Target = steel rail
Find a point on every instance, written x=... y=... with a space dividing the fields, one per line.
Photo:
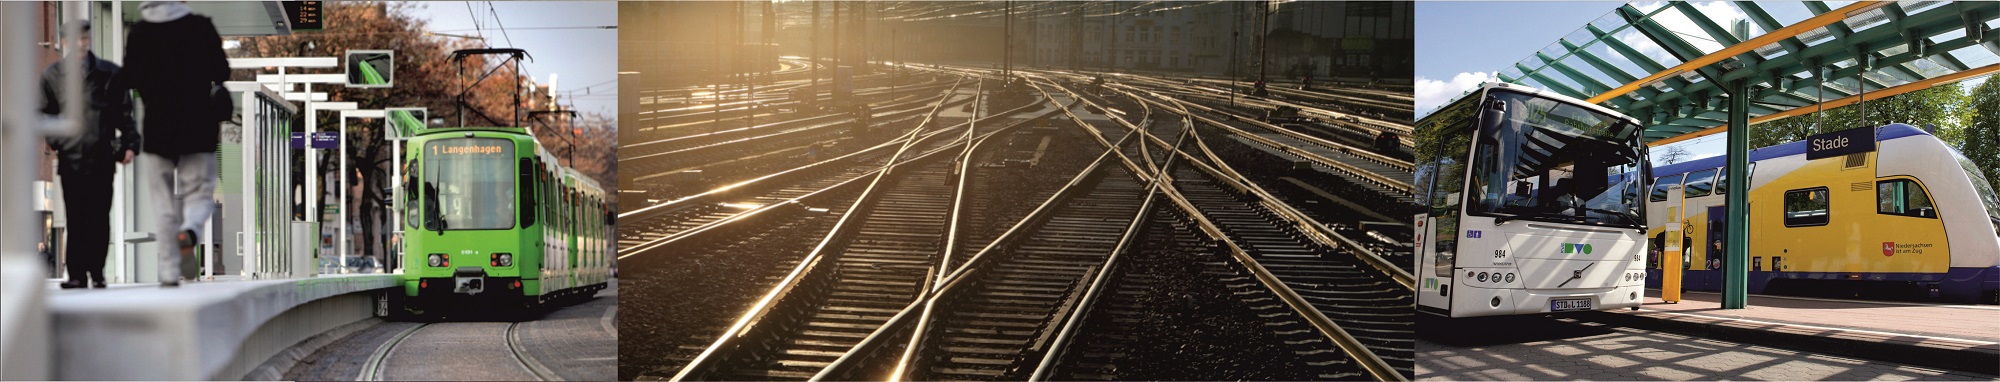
x=520 y=352
x=1319 y=230
x=1399 y=185
x=906 y=109
x=1066 y=331
x=697 y=199
x=1379 y=158
x=372 y=370
x=693 y=200
x=955 y=280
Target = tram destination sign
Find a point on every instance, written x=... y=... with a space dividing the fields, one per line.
x=1838 y=143
x=305 y=15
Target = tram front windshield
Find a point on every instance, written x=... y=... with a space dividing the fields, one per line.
x=472 y=181
x=1545 y=160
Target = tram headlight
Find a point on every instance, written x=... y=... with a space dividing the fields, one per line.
x=437 y=260
x=503 y=259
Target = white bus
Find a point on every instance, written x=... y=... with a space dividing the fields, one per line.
x=1531 y=202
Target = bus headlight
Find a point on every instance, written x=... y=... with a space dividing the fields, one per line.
x=503 y=259
x=437 y=260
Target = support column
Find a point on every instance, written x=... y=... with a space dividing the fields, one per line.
x=1735 y=263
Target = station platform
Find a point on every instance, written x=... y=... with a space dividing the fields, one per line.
x=1955 y=337
x=200 y=330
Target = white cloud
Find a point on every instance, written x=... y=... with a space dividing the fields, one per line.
x=1434 y=93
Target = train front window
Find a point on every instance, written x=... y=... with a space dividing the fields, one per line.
x=1980 y=187
x=473 y=183
x=1545 y=160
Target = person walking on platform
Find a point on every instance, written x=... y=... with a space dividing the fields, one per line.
x=174 y=59
x=84 y=160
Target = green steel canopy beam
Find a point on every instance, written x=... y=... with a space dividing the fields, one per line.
x=1822 y=19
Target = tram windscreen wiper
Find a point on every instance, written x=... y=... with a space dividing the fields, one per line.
x=433 y=217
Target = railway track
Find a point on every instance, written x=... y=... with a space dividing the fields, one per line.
x=1362 y=297
x=869 y=273
x=471 y=343
x=1020 y=159
x=995 y=318
x=890 y=292
x=1183 y=309
x=651 y=226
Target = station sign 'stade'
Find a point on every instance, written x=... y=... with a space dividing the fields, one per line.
x=1838 y=143
x=306 y=15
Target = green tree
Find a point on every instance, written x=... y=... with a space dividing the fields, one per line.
x=1942 y=106
x=1981 y=137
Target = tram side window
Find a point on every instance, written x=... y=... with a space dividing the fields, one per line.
x=410 y=192
x=1903 y=197
x=1699 y=183
x=1661 y=185
x=1806 y=207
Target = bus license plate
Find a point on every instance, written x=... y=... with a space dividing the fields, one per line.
x=1566 y=304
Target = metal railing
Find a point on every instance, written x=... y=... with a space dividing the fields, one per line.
x=265 y=242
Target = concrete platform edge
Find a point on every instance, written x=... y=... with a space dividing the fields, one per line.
x=201 y=331
x=1975 y=360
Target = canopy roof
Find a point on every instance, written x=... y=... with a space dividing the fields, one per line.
x=1661 y=62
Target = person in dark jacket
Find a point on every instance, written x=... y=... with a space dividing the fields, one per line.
x=85 y=160
x=174 y=58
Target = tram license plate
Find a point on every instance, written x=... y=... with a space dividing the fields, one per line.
x=1566 y=304
x=471 y=285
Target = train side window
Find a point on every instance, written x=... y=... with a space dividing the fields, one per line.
x=1661 y=185
x=1722 y=179
x=1903 y=197
x=1699 y=183
x=1806 y=207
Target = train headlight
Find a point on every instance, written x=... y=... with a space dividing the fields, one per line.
x=437 y=260
x=503 y=259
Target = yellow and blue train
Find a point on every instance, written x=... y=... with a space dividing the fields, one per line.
x=1867 y=208
x=493 y=220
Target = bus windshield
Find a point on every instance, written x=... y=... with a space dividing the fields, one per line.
x=1551 y=161
x=472 y=182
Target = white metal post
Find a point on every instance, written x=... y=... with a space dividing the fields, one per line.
x=341 y=181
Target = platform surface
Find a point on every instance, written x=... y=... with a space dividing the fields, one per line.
x=1577 y=347
x=144 y=332
x=1913 y=321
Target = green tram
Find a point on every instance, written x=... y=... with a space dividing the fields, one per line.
x=492 y=220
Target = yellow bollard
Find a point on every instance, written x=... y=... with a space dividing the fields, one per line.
x=1670 y=275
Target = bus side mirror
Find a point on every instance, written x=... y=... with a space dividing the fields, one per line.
x=1489 y=118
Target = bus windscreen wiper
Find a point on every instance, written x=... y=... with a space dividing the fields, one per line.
x=1569 y=218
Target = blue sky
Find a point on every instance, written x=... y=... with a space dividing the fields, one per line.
x=580 y=57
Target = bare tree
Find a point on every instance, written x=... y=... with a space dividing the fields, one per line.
x=1674 y=154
